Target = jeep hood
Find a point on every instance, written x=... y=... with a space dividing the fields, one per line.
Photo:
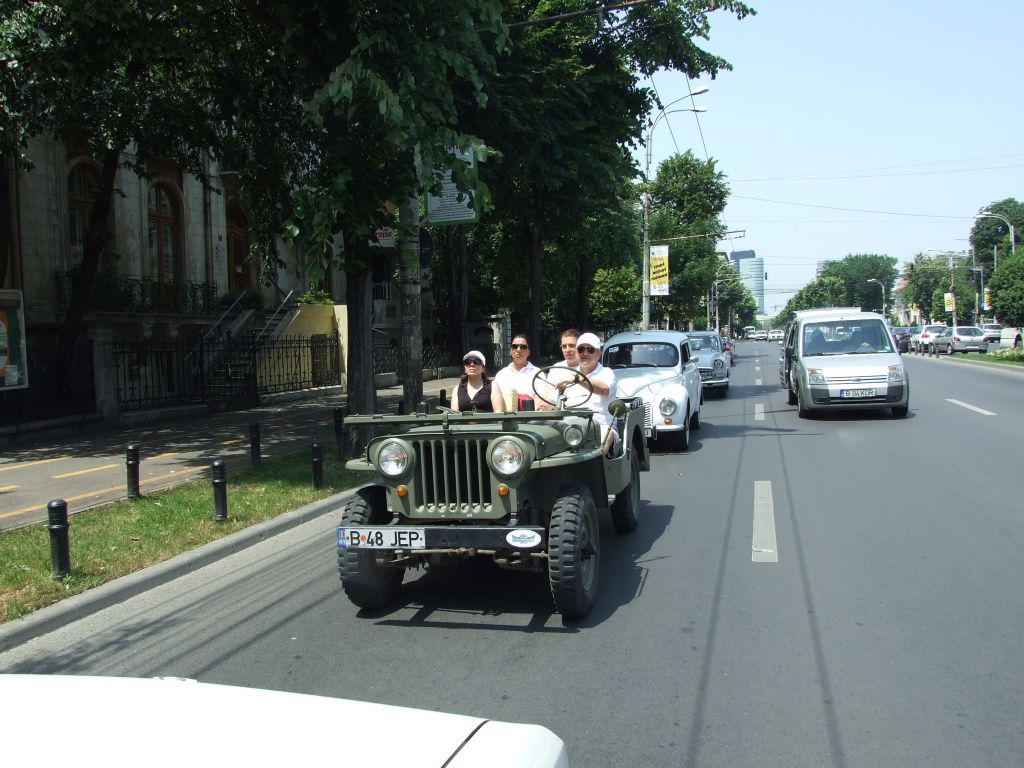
x=630 y=383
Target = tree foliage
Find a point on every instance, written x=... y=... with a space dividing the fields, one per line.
x=1007 y=290
x=989 y=233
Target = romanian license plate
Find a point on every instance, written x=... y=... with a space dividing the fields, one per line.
x=385 y=537
x=845 y=393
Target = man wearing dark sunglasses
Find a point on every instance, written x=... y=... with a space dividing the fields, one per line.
x=601 y=380
x=516 y=378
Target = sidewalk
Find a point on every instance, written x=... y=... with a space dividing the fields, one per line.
x=86 y=464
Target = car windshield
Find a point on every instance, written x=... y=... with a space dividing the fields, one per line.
x=705 y=342
x=642 y=355
x=843 y=337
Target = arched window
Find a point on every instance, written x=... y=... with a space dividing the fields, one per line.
x=83 y=186
x=165 y=234
x=239 y=267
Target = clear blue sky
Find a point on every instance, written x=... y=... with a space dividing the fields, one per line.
x=871 y=126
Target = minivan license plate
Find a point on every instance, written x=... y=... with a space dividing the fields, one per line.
x=856 y=393
x=387 y=537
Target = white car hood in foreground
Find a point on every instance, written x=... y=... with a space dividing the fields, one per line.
x=630 y=382
x=111 y=721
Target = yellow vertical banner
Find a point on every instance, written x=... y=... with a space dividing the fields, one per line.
x=659 y=270
x=947 y=299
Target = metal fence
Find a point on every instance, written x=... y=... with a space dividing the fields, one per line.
x=389 y=359
x=229 y=373
x=54 y=389
x=114 y=292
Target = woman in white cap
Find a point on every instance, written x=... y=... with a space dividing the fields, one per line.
x=476 y=392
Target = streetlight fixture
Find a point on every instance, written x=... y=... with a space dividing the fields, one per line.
x=1006 y=221
x=881 y=285
x=665 y=112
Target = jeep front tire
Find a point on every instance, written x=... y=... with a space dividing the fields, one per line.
x=366 y=583
x=574 y=552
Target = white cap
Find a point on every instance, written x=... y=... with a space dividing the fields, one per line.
x=478 y=355
x=589 y=339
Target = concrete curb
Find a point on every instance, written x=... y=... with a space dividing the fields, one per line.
x=18 y=631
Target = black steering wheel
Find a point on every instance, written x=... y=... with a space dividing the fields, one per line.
x=566 y=377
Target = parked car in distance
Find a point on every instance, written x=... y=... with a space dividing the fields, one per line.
x=1011 y=337
x=902 y=335
x=992 y=332
x=711 y=359
x=775 y=334
x=659 y=367
x=921 y=342
x=959 y=338
x=760 y=336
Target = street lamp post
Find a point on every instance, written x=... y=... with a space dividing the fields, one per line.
x=881 y=285
x=1006 y=221
x=665 y=111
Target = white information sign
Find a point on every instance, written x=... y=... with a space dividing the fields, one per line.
x=451 y=206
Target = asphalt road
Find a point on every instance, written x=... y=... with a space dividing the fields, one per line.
x=843 y=591
x=88 y=469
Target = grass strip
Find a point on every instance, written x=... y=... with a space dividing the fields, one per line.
x=117 y=539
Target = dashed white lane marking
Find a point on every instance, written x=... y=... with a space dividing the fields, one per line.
x=758 y=411
x=970 y=407
x=764 y=548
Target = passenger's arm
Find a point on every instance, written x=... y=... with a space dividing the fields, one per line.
x=497 y=399
x=455 y=399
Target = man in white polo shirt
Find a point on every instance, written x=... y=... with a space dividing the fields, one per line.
x=601 y=380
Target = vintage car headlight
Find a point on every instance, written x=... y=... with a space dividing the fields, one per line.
x=719 y=364
x=573 y=436
x=815 y=376
x=667 y=406
x=507 y=457
x=392 y=458
x=895 y=373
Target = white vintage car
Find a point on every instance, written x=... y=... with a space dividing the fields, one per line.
x=659 y=368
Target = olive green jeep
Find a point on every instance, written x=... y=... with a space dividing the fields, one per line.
x=523 y=488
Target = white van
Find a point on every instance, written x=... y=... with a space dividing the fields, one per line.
x=842 y=358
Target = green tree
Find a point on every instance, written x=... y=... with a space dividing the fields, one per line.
x=921 y=278
x=989 y=233
x=614 y=299
x=854 y=272
x=1006 y=288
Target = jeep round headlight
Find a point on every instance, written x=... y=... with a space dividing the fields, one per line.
x=573 y=436
x=667 y=406
x=507 y=457
x=392 y=458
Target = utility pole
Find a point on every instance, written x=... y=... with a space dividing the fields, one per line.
x=411 y=367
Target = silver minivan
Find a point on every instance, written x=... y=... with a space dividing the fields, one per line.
x=842 y=358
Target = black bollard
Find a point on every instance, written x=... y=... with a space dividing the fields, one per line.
x=255 y=454
x=442 y=399
x=60 y=549
x=131 y=461
x=423 y=409
x=318 y=466
x=401 y=407
x=220 y=491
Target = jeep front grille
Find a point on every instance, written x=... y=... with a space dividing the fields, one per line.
x=453 y=475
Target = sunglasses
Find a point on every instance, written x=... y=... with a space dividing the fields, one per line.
x=520 y=346
x=586 y=350
x=472 y=362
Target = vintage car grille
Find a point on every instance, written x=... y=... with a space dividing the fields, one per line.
x=452 y=474
x=706 y=374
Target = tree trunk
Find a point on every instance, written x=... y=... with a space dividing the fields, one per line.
x=85 y=274
x=533 y=322
x=455 y=262
x=412 y=303
x=361 y=390
x=6 y=226
x=582 y=318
